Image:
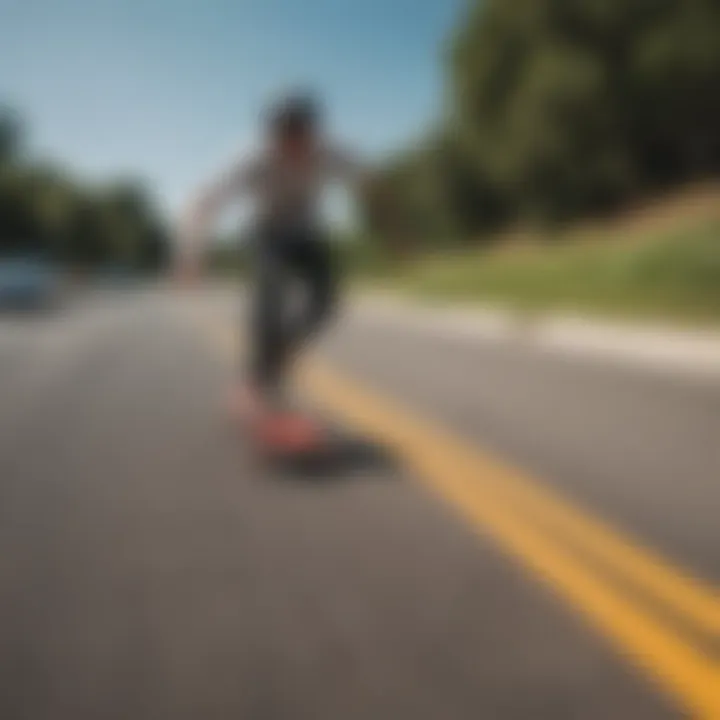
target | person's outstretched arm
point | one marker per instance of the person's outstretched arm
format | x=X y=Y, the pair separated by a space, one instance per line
x=347 y=167
x=380 y=210
x=199 y=217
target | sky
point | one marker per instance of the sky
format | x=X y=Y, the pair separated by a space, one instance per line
x=170 y=90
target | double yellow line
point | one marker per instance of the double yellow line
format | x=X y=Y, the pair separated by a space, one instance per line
x=654 y=614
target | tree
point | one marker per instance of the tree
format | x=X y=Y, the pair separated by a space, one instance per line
x=133 y=226
x=10 y=136
x=563 y=108
x=43 y=209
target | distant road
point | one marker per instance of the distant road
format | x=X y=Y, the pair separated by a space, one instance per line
x=509 y=534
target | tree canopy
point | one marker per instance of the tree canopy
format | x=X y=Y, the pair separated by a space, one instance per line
x=43 y=209
x=558 y=109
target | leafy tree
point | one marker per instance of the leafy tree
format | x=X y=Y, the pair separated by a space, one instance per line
x=10 y=136
x=562 y=108
x=43 y=209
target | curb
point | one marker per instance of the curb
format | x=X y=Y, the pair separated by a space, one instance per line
x=695 y=352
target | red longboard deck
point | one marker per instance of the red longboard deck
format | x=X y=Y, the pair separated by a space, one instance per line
x=288 y=435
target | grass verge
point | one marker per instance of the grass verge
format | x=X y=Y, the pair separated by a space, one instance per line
x=672 y=276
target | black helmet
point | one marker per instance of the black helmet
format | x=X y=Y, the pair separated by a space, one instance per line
x=295 y=112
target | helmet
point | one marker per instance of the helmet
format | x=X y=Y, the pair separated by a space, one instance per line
x=295 y=112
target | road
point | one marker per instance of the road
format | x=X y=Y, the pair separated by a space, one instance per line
x=506 y=534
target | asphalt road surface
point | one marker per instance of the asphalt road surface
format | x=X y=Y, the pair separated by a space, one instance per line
x=502 y=533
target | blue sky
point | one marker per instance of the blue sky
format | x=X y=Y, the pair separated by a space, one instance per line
x=167 y=89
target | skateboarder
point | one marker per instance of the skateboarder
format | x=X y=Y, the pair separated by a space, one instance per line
x=290 y=246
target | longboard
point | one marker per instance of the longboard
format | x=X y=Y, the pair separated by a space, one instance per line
x=287 y=436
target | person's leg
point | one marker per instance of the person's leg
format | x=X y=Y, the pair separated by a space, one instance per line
x=258 y=383
x=269 y=323
x=311 y=267
x=280 y=330
x=312 y=263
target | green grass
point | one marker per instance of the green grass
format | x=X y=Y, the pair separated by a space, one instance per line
x=671 y=276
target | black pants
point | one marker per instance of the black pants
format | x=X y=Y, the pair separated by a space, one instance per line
x=294 y=295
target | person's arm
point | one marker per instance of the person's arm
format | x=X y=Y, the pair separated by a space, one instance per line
x=347 y=168
x=199 y=217
x=380 y=210
x=357 y=176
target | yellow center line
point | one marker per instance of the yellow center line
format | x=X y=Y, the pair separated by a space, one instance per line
x=696 y=602
x=513 y=510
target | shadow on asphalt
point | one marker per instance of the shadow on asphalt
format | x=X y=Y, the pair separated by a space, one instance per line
x=347 y=457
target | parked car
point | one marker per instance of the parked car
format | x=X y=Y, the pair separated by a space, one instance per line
x=28 y=283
